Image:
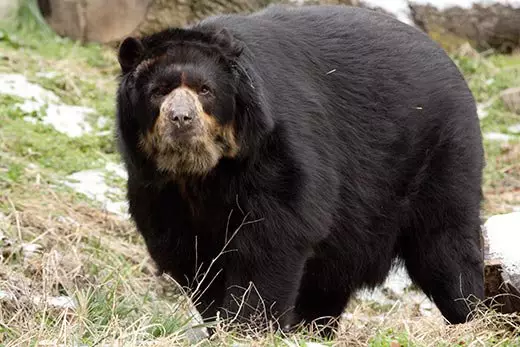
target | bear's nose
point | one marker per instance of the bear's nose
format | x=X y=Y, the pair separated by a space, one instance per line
x=181 y=118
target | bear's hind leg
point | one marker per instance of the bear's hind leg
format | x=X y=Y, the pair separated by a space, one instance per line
x=448 y=265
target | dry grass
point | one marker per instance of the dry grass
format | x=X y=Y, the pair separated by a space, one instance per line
x=503 y=193
x=79 y=253
x=99 y=262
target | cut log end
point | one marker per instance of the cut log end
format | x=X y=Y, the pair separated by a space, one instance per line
x=500 y=292
x=502 y=271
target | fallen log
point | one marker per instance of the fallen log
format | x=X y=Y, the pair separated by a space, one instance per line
x=110 y=21
x=485 y=27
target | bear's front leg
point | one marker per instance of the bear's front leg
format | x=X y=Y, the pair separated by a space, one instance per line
x=262 y=279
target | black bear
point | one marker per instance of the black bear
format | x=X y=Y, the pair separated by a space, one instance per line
x=279 y=161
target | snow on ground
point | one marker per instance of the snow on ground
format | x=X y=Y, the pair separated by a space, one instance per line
x=492 y=136
x=72 y=121
x=93 y=184
x=67 y=119
x=18 y=85
x=515 y=129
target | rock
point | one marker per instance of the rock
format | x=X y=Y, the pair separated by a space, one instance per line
x=466 y=50
x=511 y=98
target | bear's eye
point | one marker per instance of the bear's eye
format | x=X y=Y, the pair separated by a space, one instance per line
x=204 y=90
x=160 y=90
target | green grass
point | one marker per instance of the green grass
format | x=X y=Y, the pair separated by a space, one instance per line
x=101 y=261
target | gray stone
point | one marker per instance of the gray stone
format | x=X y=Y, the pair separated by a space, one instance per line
x=511 y=99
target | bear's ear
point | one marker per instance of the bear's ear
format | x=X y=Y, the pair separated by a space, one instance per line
x=225 y=40
x=130 y=53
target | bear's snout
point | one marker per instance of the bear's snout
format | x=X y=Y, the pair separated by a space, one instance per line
x=180 y=113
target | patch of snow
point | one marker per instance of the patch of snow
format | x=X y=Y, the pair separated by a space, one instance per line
x=6 y=296
x=29 y=250
x=117 y=169
x=18 y=85
x=104 y=133
x=482 y=111
x=92 y=183
x=503 y=234
x=395 y=285
x=47 y=74
x=70 y=120
x=102 y=122
x=497 y=137
x=394 y=289
x=67 y=119
x=68 y=220
x=62 y=302
x=515 y=129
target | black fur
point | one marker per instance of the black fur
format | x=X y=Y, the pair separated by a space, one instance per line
x=359 y=144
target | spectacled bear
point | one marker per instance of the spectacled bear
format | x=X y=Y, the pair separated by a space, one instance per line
x=281 y=160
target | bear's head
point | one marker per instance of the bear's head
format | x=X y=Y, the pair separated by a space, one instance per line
x=186 y=100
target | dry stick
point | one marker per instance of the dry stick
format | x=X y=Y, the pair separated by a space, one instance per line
x=223 y=251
